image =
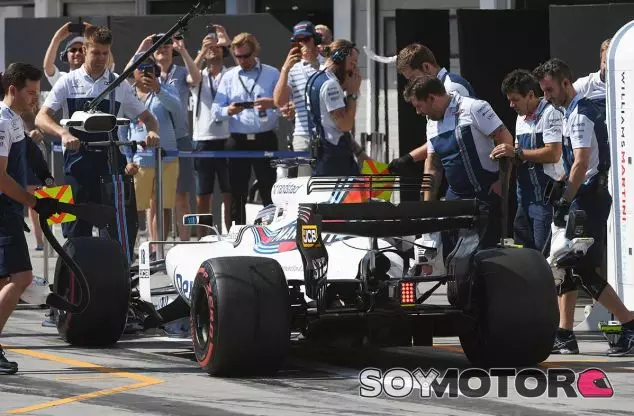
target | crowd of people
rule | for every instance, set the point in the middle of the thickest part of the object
(560, 134)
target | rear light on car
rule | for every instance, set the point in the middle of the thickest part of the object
(408, 293)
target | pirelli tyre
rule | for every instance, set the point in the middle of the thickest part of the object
(108, 275)
(240, 316)
(513, 313)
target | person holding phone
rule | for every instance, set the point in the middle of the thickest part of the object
(163, 102)
(245, 99)
(302, 61)
(331, 98)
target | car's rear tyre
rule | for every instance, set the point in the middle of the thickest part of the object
(240, 316)
(108, 274)
(515, 313)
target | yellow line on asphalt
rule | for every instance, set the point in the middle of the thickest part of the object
(71, 378)
(143, 381)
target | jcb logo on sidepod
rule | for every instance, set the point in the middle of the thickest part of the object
(309, 236)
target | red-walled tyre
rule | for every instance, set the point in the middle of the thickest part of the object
(240, 316)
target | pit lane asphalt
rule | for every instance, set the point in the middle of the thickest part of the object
(156, 375)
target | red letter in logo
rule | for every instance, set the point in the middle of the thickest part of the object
(594, 383)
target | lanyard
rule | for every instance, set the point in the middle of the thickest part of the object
(254, 82)
(211, 84)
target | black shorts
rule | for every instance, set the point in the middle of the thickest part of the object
(14, 250)
(208, 168)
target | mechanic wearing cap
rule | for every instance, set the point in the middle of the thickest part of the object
(462, 132)
(586, 156)
(210, 134)
(592, 86)
(245, 98)
(20, 88)
(537, 155)
(331, 98)
(73, 91)
(413, 61)
(302, 61)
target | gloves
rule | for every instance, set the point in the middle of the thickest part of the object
(562, 207)
(47, 207)
(401, 164)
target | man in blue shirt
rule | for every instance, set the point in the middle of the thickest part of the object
(586, 156)
(163, 102)
(537, 155)
(413, 61)
(20, 88)
(245, 98)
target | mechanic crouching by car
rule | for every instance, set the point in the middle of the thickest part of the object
(586, 156)
(163, 102)
(537, 156)
(71, 93)
(20, 89)
(462, 132)
(331, 99)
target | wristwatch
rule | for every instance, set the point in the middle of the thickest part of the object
(518, 153)
(352, 96)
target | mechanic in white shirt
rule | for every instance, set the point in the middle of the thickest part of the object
(331, 98)
(20, 86)
(592, 86)
(586, 151)
(210, 133)
(302, 61)
(83, 168)
(462, 132)
(537, 156)
(413, 61)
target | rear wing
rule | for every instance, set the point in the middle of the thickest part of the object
(372, 219)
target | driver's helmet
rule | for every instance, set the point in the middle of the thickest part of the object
(265, 216)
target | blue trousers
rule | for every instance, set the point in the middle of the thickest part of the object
(531, 226)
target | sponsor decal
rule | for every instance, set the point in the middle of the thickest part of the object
(310, 236)
(288, 188)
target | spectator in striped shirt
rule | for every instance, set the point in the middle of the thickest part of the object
(302, 61)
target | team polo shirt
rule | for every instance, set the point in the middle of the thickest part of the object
(534, 131)
(462, 144)
(455, 83)
(591, 86)
(585, 128)
(297, 80)
(331, 98)
(74, 90)
(12, 143)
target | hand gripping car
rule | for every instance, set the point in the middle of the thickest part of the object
(326, 259)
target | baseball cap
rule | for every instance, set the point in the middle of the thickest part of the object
(71, 42)
(304, 28)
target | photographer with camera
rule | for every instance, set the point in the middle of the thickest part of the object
(83, 168)
(586, 157)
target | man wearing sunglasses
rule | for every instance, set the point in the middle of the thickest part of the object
(245, 98)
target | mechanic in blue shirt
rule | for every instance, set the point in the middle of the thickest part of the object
(537, 155)
(331, 100)
(413, 61)
(462, 132)
(586, 154)
(592, 86)
(163, 102)
(20, 90)
(245, 98)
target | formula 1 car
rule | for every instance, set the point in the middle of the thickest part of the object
(326, 259)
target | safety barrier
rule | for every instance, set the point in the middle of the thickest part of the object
(219, 154)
